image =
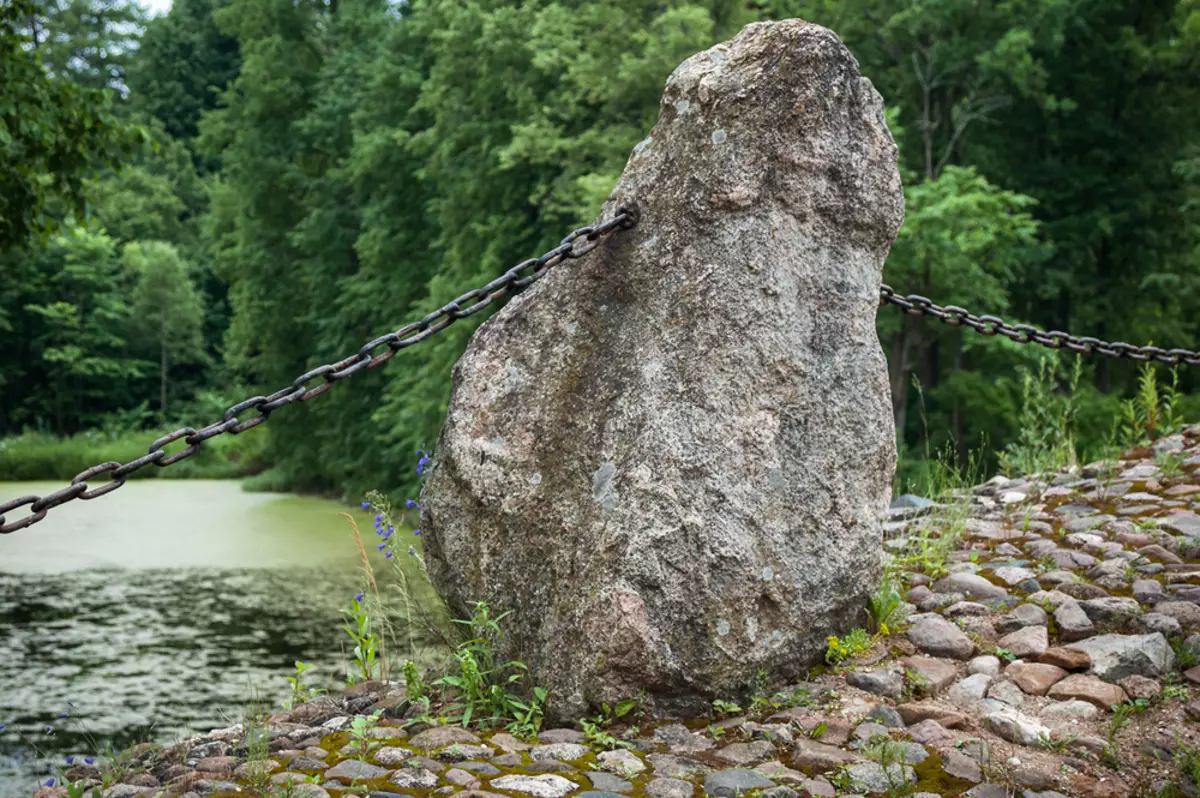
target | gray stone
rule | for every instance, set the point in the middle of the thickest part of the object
(681, 740)
(1016, 728)
(608, 782)
(1157, 622)
(484, 768)
(1111, 610)
(461, 753)
(969, 690)
(940, 638)
(211, 786)
(546, 785)
(970, 585)
(573, 425)
(961, 766)
(593, 794)
(1072, 622)
(561, 736)
(888, 682)
(1007, 693)
(413, 779)
(1071, 710)
(871, 777)
(1020, 617)
(808, 753)
(670, 788)
(355, 770)
(732, 783)
(886, 716)
(1116, 656)
(676, 767)
(1028, 643)
(127, 791)
(1187, 613)
(626, 764)
(441, 736)
(1187, 524)
(563, 752)
(309, 763)
(866, 732)
(549, 766)
(985, 664)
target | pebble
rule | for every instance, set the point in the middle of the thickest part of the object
(733, 783)
(546, 785)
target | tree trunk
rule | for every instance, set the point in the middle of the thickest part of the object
(162, 385)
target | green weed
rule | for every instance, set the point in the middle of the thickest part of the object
(1045, 439)
(853, 644)
(885, 601)
(301, 693)
(1153, 412)
(360, 628)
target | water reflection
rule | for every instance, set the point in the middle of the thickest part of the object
(145, 652)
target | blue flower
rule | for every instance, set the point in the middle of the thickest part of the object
(1, 727)
(379, 519)
(387, 555)
(381, 546)
(422, 463)
(63, 715)
(366, 505)
(358, 597)
(88, 760)
(417, 532)
(49, 783)
(410, 504)
(412, 552)
(49, 730)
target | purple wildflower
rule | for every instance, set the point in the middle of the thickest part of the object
(89, 761)
(417, 532)
(358, 597)
(70, 760)
(412, 552)
(49, 783)
(410, 504)
(49, 730)
(381, 546)
(387, 555)
(366, 505)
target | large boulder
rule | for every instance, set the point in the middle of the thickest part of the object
(669, 458)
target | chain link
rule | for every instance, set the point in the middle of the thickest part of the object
(377, 352)
(954, 316)
(373, 354)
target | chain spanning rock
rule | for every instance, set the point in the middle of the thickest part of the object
(669, 461)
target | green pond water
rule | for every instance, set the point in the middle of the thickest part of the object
(160, 610)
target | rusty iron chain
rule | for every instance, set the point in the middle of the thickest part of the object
(371, 355)
(515, 279)
(915, 305)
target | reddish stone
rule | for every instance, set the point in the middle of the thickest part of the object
(1095, 691)
(1034, 678)
(1067, 658)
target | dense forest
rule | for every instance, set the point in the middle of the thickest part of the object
(200, 206)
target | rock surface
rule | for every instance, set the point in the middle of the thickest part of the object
(665, 452)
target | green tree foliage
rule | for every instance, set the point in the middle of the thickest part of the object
(182, 64)
(80, 330)
(167, 308)
(334, 169)
(53, 132)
